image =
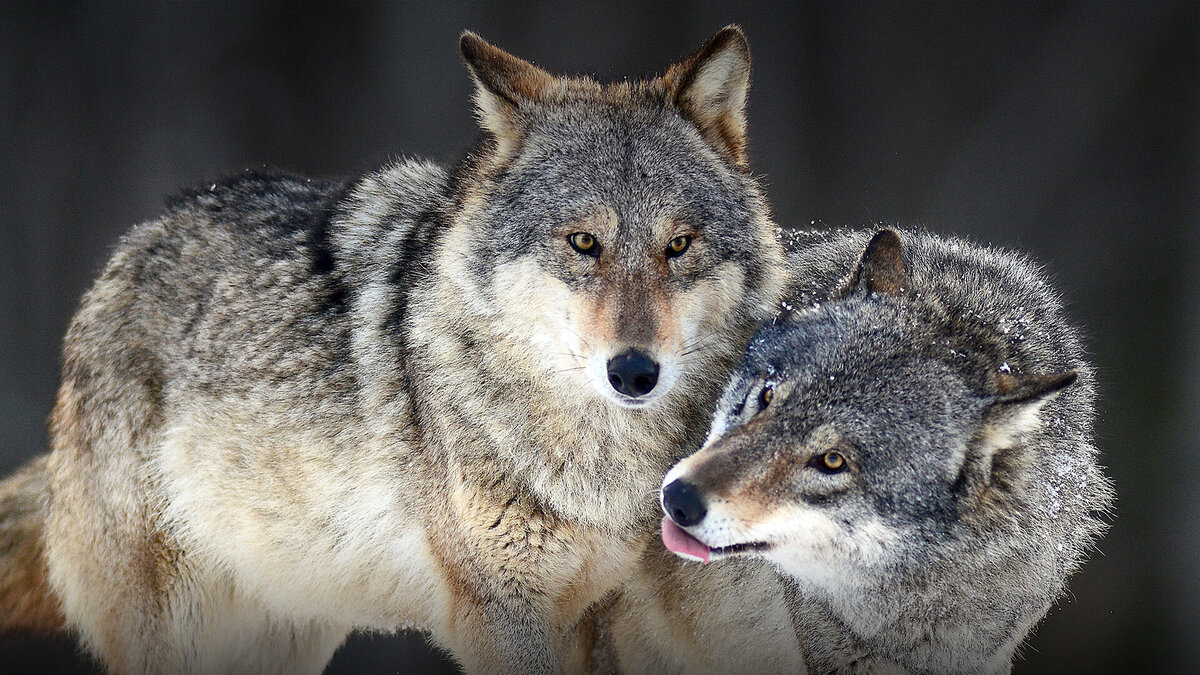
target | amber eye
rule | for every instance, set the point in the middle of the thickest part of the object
(584, 243)
(678, 245)
(832, 461)
(765, 398)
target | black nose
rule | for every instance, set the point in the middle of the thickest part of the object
(682, 503)
(632, 373)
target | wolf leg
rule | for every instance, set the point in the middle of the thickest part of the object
(137, 599)
(216, 632)
(674, 616)
(502, 638)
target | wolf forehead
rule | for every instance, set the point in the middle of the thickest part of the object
(859, 341)
(871, 361)
(643, 165)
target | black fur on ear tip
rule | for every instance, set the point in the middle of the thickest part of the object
(1022, 388)
(471, 45)
(886, 242)
(731, 34)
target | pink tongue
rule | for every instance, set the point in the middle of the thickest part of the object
(678, 541)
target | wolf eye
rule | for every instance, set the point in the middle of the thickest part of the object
(584, 243)
(678, 245)
(831, 462)
(765, 398)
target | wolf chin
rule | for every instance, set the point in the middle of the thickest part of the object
(912, 444)
(427, 398)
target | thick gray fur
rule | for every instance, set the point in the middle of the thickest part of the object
(972, 488)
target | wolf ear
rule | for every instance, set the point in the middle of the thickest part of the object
(881, 269)
(1013, 409)
(1014, 389)
(710, 89)
(503, 85)
(995, 458)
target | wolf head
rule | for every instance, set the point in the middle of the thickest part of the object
(858, 438)
(611, 234)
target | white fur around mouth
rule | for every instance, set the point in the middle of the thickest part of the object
(630, 402)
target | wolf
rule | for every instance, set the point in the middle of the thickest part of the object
(911, 443)
(424, 398)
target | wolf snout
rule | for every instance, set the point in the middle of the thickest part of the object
(633, 373)
(682, 503)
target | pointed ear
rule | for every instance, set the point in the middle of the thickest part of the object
(1013, 410)
(710, 88)
(503, 85)
(996, 459)
(881, 269)
(1030, 388)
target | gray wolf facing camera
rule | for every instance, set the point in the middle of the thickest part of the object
(916, 452)
(420, 398)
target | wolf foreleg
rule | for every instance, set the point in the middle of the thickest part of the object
(501, 638)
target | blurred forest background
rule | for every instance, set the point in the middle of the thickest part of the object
(1069, 130)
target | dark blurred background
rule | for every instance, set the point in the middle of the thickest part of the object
(1070, 130)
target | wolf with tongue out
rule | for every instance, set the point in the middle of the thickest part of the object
(913, 448)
